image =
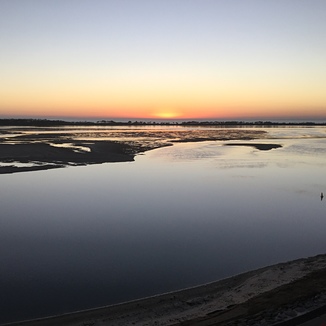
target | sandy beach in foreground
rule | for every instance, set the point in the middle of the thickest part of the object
(271, 294)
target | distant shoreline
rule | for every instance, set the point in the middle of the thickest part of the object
(227, 123)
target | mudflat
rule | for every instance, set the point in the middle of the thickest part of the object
(32, 149)
(262, 147)
(46, 156)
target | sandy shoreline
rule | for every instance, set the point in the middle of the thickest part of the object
(240, 297)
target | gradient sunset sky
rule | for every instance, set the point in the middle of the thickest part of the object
(188, 59)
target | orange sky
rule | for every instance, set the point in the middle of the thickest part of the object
(190, 101)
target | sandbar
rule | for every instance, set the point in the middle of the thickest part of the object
(261, 147)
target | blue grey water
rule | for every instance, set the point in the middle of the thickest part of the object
(179, 216)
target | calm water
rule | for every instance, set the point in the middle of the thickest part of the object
(179, 216)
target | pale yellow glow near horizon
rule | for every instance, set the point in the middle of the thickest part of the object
(166, 114)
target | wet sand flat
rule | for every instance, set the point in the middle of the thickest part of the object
(45, 156)
(40, 148)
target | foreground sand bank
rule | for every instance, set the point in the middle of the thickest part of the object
(273, 294)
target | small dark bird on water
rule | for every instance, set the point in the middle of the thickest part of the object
(321, 196)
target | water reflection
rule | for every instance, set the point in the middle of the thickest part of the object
(179, 216)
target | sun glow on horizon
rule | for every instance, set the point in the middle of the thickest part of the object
(167, 114)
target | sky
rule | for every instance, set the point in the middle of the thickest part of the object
(187, 59)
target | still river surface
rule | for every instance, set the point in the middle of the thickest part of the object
(179, 216)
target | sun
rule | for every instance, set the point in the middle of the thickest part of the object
(166, 114)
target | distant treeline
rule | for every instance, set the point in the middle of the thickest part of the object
(56, 123)
(40, 122)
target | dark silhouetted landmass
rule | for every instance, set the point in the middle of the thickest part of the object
(55, 123)
(261, 147)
